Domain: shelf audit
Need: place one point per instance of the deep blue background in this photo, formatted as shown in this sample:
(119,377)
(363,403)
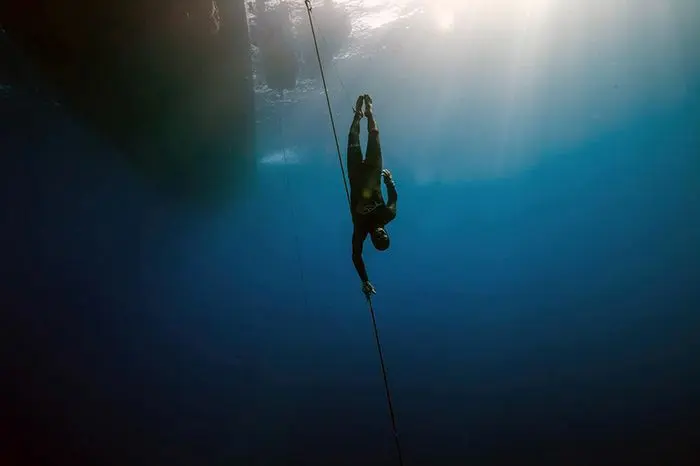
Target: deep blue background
(548,314)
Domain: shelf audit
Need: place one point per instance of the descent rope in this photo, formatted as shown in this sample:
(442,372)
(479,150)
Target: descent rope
(347,193)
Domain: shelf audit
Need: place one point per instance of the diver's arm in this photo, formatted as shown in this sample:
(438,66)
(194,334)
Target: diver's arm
(392,195)
(358,238)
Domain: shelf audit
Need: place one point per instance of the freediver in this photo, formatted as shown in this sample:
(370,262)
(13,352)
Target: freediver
(370,214)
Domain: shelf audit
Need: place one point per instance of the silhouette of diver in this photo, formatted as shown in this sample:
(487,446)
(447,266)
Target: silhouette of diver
(370,213)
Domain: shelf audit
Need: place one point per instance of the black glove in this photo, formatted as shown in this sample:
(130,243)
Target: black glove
(387,176)
(368,289)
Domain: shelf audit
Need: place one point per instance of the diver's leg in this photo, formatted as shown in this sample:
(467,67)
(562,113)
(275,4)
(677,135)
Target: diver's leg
(354,150)
(374,147)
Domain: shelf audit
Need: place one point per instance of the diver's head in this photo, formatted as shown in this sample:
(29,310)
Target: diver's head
(380,239)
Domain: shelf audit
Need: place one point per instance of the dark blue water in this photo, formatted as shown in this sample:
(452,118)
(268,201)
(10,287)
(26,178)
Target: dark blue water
(539,302)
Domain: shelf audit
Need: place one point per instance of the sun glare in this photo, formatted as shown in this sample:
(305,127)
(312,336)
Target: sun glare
(444,19)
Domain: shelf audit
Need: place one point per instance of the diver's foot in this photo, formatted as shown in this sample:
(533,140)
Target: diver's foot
(368,105)
(358,107)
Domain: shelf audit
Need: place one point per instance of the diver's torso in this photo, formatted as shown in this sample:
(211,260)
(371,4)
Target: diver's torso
(368,211)
(366,193)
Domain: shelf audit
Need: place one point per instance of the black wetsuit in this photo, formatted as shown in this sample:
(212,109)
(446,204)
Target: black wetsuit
(369,210)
